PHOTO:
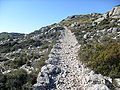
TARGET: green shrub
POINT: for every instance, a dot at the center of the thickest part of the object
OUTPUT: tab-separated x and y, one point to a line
16	79
2	82
102	58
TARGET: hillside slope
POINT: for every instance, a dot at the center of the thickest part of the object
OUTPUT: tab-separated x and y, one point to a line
63	70
98	37
21	58
82	52
5	35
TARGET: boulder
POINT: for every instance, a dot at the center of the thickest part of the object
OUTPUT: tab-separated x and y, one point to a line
98	20
86	36
114	30
50	69
98	87
45	79
76	24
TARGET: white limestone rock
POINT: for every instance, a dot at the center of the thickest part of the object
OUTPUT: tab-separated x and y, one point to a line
115	12
98	87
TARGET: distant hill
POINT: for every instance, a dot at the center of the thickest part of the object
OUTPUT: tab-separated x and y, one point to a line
6	35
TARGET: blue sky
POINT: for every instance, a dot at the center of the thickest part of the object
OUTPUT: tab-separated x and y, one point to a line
25	16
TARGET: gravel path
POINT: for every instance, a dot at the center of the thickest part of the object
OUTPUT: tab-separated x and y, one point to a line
68	63
64	71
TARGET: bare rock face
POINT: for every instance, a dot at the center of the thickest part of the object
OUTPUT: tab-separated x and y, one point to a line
45	78
99	87
115	12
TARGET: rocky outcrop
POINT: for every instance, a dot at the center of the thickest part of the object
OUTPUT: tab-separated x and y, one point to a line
115	12
63	71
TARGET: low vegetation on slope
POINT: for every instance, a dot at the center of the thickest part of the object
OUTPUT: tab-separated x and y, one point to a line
100	48
80	19
21	58
5	35
102	58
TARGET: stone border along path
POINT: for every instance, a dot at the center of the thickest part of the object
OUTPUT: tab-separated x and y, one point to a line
63	70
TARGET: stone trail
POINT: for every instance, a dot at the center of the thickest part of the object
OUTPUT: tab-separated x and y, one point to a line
64	71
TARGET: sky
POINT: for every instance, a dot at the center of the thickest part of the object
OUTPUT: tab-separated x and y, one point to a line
25	16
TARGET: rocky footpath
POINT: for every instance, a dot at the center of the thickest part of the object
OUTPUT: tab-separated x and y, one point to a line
63	70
